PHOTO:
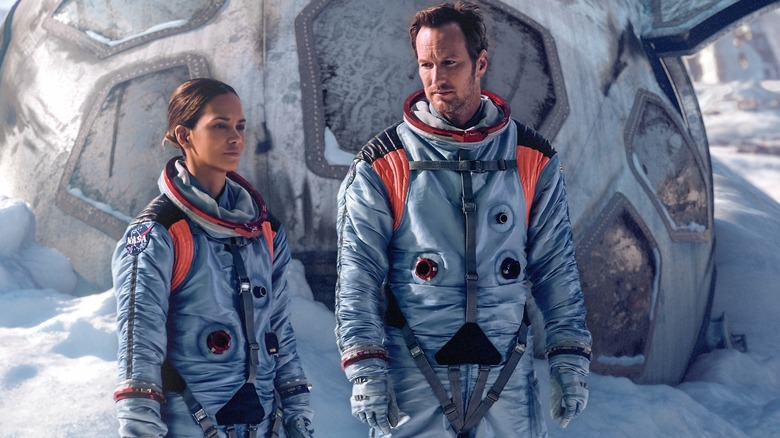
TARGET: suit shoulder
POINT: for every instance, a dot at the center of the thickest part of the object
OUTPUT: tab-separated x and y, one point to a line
530	138
161	210
381	144
274	221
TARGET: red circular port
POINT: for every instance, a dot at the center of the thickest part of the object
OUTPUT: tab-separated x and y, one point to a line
218	342
426	269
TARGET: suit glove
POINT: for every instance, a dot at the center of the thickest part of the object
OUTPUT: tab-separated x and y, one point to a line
298	427
568	385
373	402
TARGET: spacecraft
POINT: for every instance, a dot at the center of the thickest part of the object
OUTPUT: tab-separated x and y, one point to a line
83	98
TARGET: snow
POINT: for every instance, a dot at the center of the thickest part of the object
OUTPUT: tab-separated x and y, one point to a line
57	363
333	153
156	28
102	206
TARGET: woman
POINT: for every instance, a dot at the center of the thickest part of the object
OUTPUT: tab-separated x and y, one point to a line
206	347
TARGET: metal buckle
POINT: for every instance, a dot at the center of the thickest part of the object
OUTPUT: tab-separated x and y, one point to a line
200	415
449	409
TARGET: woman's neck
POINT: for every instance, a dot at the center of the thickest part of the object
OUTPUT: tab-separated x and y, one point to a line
213	181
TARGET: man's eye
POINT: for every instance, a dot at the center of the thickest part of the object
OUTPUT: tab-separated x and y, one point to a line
241	127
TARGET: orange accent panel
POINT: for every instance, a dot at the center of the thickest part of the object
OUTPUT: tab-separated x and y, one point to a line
393	168
183	251
269	235
530	163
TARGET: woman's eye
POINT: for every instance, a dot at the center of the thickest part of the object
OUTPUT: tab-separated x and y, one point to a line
241	127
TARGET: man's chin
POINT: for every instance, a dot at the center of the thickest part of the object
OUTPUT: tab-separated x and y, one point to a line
446	111
442	107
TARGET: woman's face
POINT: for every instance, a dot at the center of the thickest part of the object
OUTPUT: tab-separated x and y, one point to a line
214	146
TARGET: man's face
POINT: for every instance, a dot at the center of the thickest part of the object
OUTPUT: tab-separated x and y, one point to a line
449	76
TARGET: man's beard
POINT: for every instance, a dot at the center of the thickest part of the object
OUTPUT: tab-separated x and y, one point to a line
454	109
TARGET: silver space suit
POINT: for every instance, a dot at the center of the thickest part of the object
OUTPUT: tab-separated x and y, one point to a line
184	328
450	230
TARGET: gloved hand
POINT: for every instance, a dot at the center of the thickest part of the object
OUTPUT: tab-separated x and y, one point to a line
298	427
569	389
373	402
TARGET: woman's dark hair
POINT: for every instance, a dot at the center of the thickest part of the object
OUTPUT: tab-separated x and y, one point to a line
189	100
465	14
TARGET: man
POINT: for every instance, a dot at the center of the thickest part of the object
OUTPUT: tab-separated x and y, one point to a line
445	221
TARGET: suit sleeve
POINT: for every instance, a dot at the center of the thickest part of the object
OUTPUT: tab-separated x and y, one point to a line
365	228
141	268
552	268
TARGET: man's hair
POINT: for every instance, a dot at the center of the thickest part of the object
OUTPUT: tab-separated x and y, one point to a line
465	14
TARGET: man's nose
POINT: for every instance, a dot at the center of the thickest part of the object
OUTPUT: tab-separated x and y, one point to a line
438	76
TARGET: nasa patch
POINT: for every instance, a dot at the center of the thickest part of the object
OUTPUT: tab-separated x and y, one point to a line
138	238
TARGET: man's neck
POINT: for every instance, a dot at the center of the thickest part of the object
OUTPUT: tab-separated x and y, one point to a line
473	121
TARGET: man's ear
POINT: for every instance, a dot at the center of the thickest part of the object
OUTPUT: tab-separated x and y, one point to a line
482	63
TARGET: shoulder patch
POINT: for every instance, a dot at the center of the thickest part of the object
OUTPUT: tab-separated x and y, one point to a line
382	144
138	238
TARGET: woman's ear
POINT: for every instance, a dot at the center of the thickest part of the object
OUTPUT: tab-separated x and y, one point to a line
182	136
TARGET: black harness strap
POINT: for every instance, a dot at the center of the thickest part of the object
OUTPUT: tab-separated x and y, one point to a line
199	414
470	214
247	312
448	405
453	406
465	168
503	377
476	166
277	416
247	309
